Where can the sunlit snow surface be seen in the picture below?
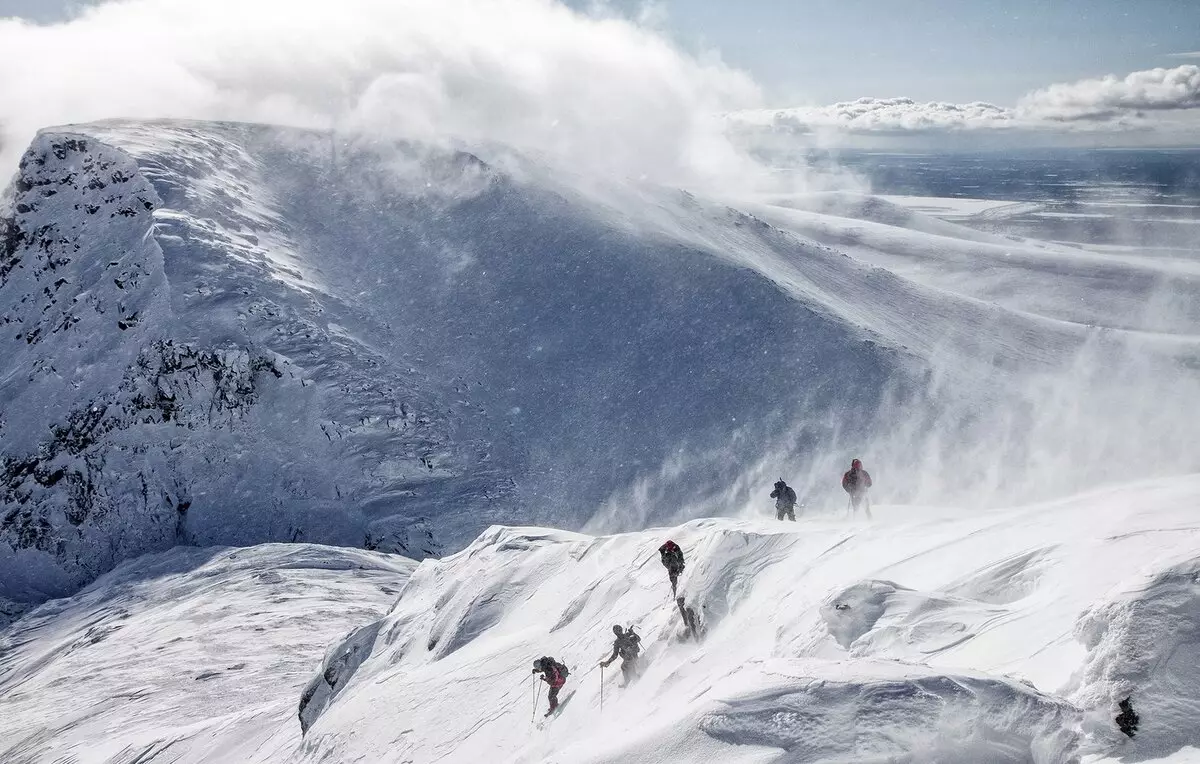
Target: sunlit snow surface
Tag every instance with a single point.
(189, 655)
(230, 334)
(928, 635)
(959, 639)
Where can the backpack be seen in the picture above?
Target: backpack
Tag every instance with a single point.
(790, 494)
(629, 645)
(563, 671)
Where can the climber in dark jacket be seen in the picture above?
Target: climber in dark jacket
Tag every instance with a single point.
(627, 645)
(672, 560)
(785, 501)
(857, 482)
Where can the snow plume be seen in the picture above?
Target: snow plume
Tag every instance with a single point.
(534, 74)
(1110, 96)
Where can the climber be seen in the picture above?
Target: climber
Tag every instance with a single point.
(553, 674)
(785, 501)
(857, 482)
(691, 623)
(672, 560)
(627, 645)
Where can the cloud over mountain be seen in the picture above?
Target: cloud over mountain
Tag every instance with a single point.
(530, 73)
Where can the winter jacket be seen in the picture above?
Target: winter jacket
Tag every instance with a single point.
(552, 673)
(672, 555)
(628, 646)
(784, 496)
(856, 481)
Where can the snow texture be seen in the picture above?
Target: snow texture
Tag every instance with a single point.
(1143, 646)
(812, 654)
(187, 655)
(232, 334)
(228, 334)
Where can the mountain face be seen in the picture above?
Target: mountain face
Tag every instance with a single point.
(230, 334)
(218, 335)
(234, 334)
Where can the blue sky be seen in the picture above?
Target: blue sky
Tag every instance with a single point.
(821, 51)
(952, 50)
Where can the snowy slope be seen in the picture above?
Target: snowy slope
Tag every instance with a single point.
(931, 635)
(231, 334)
(188, 655)
(1032, 277)
(225, 334)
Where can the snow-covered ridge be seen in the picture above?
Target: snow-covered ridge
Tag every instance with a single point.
(929, 636)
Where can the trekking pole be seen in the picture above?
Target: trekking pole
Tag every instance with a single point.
(847, 506)
(537, 695)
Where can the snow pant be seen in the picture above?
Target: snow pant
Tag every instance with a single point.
(629, 669)
(856, 501)
(673, 572)
(689, 620)
(788, 512)
(554, 688)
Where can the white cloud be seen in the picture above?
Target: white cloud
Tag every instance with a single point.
(886, 115)
(1140, 101)
(1108, 97)
(530, 73)
(1193, 54)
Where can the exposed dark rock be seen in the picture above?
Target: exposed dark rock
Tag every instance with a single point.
(1127, 720)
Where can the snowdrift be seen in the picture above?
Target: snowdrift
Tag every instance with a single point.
(929, 636)
(188, 655)
(1143, 646)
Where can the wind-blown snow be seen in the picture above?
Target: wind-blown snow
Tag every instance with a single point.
(928, 636)
(231, 334)
(931, 635)
(220, 334)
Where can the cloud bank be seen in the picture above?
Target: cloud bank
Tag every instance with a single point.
(1106, 97)
(529, 73)
(1139, 101)
(886, 115)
